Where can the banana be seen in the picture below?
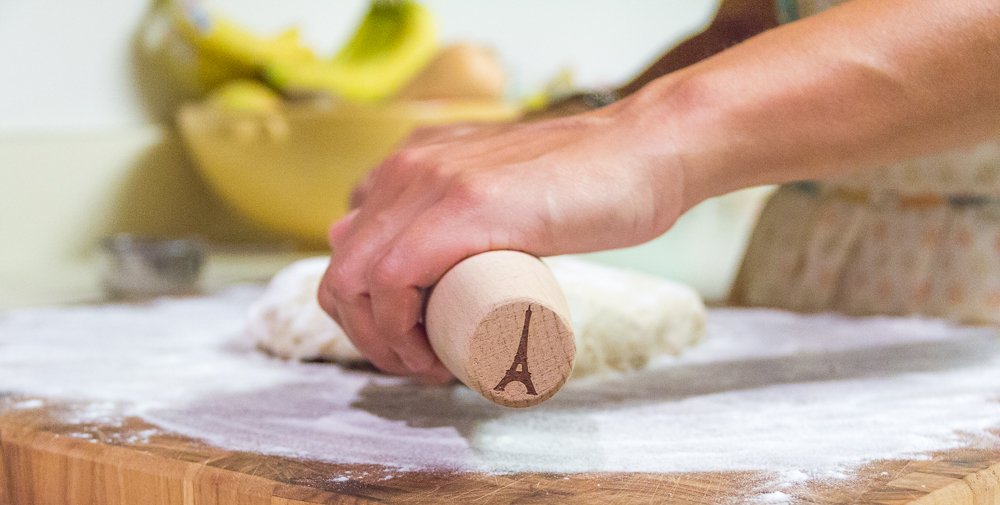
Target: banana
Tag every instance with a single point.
(245, 96)
(223, 44)
(396, 39)
(558, 86)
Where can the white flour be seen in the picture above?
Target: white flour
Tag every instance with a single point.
(804, 396)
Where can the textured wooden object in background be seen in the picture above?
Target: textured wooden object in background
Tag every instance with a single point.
(500, 323)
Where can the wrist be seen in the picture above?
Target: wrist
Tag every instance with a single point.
(646, 141)
(691, 119)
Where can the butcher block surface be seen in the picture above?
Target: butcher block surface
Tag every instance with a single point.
(46, 458)
(169, 402)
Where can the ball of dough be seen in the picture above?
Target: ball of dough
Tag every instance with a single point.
(288, 322)
(621, 319)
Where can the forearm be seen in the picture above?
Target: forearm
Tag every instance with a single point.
(863, 84)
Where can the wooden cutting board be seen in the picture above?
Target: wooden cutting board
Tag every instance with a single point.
(45, 459)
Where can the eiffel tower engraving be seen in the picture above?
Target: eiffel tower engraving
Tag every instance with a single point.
(520, 360)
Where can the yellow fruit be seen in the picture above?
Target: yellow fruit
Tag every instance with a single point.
(559, 86)
(458, 71)
(216, 38)
(170, 67)
(394, 41)
(245, 95)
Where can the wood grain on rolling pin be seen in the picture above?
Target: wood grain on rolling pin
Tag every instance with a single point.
(476, 320)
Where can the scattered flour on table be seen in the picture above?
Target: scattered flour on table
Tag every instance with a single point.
(773, 498)
(804, 396)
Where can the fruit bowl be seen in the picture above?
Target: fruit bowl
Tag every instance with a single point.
(292, 168)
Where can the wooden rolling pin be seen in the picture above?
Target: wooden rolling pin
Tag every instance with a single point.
(500, 323)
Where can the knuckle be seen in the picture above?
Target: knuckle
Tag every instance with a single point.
(341, 281)
(335, 233)
(404, 160)
(332, 234)
(407, 157)
(326, 300)
(387, 271)
(436, 174)
(472, 192)
(358, 194)
(416, 164)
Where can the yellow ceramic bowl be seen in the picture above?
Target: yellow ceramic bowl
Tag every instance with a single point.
(292, 169)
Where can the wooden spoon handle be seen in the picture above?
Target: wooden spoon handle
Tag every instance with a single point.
(500, 323)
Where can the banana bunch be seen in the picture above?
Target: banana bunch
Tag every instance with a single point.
(394, 41)
(232, 50)
(187, 51)
(393, 55)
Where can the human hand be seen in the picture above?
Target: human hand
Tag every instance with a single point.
(574, 104)
(593, 181)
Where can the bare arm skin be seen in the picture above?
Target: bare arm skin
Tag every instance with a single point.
(866, 83)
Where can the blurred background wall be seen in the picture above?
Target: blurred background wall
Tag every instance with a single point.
(69, 64)
(84, 154)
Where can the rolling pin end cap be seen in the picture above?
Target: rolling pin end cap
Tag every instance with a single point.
(522, 354)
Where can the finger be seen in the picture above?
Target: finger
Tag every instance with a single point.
(415, 351)
(368, 230)
(436, 376)
(358, 237)
(429, 372)
(388, 177)
(325, 296)
(397, 309)
(360, 192)
(397, 280)
(355, 318)
(420, 137)
(339, 229)
(460, 143)
(398, 321)
(360, 328)
(348, 280)
(342, 295)
(394, 317)
(417, 258)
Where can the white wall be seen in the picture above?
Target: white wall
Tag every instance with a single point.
(67, 63)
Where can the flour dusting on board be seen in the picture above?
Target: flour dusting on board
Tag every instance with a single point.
(802, 396)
